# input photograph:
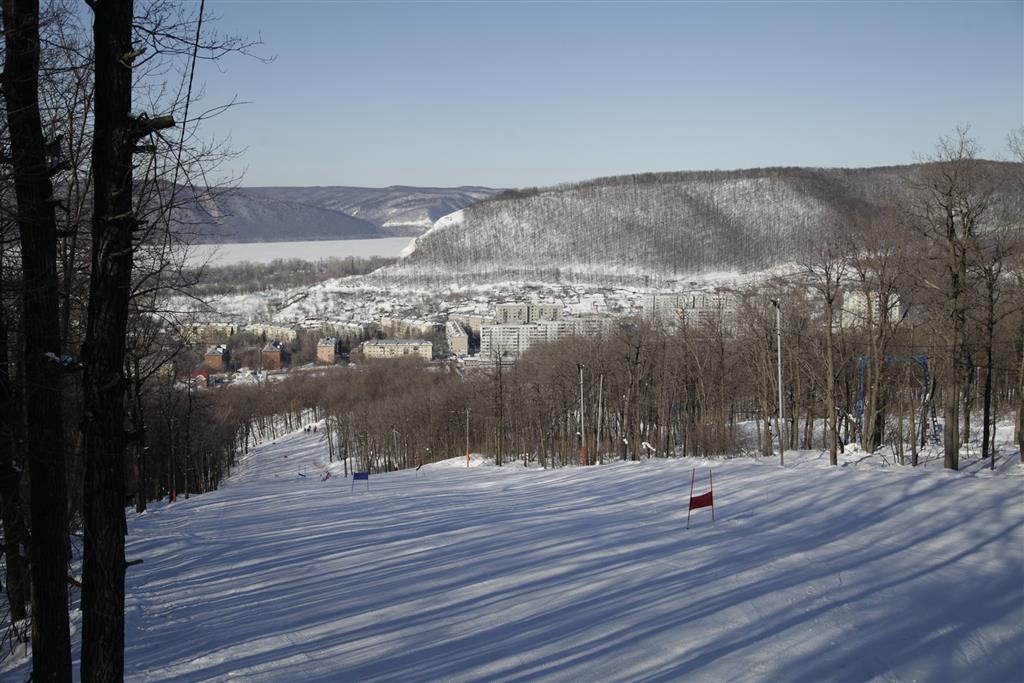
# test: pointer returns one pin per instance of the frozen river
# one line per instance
(265, 252)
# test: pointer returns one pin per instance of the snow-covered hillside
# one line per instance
(808, 574)
(395, 210)
(660, 224)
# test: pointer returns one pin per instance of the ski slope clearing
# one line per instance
(484, 573)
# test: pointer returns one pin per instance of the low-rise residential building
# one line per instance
(396, 348)
(402, 327)
(326, 350)
(269, 331)
(273, 356)
(208, 331)
(217, 358)
(347, 331)
(458, 340)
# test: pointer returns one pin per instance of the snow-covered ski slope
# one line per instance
(456, 574)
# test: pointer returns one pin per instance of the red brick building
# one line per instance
(326, 350)
(217, 358)
(273, 356)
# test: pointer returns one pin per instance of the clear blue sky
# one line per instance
(520, 94)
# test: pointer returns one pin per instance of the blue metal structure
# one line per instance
(858, 406)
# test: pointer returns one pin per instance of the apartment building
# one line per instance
(861, 308)
(272, 331)
(511, 341)
(402, 327)
(691, 308)
(458, 340)
(208, 331)
(273, 355)
(217, 358)
(470, 321)
(524, 314)
(396, 348)
(326, 350)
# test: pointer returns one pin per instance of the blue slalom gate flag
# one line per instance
(359, 476)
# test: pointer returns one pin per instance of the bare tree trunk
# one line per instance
(831, 424)
(912, 405)
(986, 419)
(139, 427)
(968, 395)
(951, 431)
(115, 134)
(11, 502)
(1020, 408)
(899, 430)
(48, 547)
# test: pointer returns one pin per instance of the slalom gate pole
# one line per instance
(688, 508)
(711, 480)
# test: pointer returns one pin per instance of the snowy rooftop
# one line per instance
(397, 342)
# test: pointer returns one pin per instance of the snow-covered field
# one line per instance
(857, 573)
(265, 252)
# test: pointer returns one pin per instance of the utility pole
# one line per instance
(778, 337)
(467, 436)
(395, 433)
(171, 491)
(583, 432)
(597, 426)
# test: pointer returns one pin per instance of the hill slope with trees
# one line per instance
(397, 210)
(666, 224)
(272, 214)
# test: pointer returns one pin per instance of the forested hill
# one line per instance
(282, 214)
(664, 224)
(395, 210)
(237, 216)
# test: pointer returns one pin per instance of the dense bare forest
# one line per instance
(240, 278)
(103, 158)
(702, 390)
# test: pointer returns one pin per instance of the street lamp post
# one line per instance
(778, 339)
(583, 432)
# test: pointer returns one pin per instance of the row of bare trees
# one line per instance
(873, 353)
(702, 389)
(893, 318)
(100, 154)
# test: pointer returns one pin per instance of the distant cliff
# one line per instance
(396, 210)
(276, 214)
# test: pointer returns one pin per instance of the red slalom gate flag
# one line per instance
(704, 500)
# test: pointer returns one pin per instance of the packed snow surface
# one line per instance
(808, 573)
